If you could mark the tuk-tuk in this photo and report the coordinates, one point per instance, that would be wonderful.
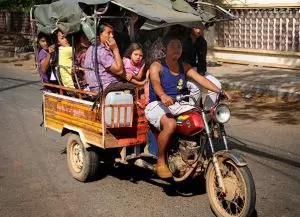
(114, 119)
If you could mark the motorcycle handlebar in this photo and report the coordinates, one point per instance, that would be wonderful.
(182, 97)
(221, 96)
(179, 98)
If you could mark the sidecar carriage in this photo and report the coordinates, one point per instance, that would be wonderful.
(117, 122)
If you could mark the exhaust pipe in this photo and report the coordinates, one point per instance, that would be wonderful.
(143, 164)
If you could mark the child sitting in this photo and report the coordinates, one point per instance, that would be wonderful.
(65, 60)
(80, 53)
(134, 65)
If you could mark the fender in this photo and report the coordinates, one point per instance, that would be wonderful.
(67, 129)
(232, 155)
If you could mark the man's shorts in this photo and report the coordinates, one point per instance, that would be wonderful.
(156, 109)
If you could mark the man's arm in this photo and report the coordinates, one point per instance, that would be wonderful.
(192, 73)
(155, 71)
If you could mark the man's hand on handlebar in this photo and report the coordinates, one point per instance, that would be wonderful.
(227, 95)
(166, 100)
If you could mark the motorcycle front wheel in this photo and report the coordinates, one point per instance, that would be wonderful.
(239, 199)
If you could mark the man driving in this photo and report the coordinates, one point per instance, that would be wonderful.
(168, 78)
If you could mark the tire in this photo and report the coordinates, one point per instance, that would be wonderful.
(241, 196)
(83, 163)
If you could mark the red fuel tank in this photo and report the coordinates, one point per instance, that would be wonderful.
(189, 123)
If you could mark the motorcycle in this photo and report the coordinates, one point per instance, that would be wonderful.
(229, 183)
(97, 123)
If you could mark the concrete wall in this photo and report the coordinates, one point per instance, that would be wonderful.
(3, 26)
(283, 59)
(18, 22)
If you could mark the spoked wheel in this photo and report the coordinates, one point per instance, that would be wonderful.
(239, 199)
(83, 163)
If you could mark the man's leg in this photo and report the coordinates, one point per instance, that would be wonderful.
(168, 126)
(157, 114)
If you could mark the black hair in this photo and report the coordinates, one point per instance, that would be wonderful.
(68, 37)
(168, 38)
(132, 47)
(39, 37)
(42, 35)
(102, 26)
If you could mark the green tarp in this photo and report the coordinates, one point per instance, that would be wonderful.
(68, 16)
(58, 15)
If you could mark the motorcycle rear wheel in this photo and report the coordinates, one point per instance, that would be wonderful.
(240, 196)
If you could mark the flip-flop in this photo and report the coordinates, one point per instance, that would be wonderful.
(163, 171)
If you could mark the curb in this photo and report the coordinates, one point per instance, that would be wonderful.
(271, 90)
(283, 156)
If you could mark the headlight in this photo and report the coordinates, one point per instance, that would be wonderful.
(221, 113)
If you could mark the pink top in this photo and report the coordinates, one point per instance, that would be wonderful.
(131, 68)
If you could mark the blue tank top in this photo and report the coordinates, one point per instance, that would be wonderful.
(171, 84)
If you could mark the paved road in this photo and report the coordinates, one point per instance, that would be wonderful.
(34, 178)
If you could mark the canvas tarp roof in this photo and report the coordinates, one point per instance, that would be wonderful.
(58, 15)
(67, 14)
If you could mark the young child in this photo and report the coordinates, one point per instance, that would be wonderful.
(44, 57)
(80, 53)
(134, 65)
(65, 60)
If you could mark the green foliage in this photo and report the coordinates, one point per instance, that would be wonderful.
(20, 5)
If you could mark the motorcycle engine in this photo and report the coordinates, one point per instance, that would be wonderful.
(183, 157)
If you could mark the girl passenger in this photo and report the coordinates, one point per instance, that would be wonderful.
(44, 58)
(65, 60)
(134, 64)
(80, 52)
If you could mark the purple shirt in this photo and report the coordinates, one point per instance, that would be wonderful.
(44, 75)
(105, 60)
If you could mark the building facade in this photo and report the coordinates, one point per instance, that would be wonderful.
(264, 33)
